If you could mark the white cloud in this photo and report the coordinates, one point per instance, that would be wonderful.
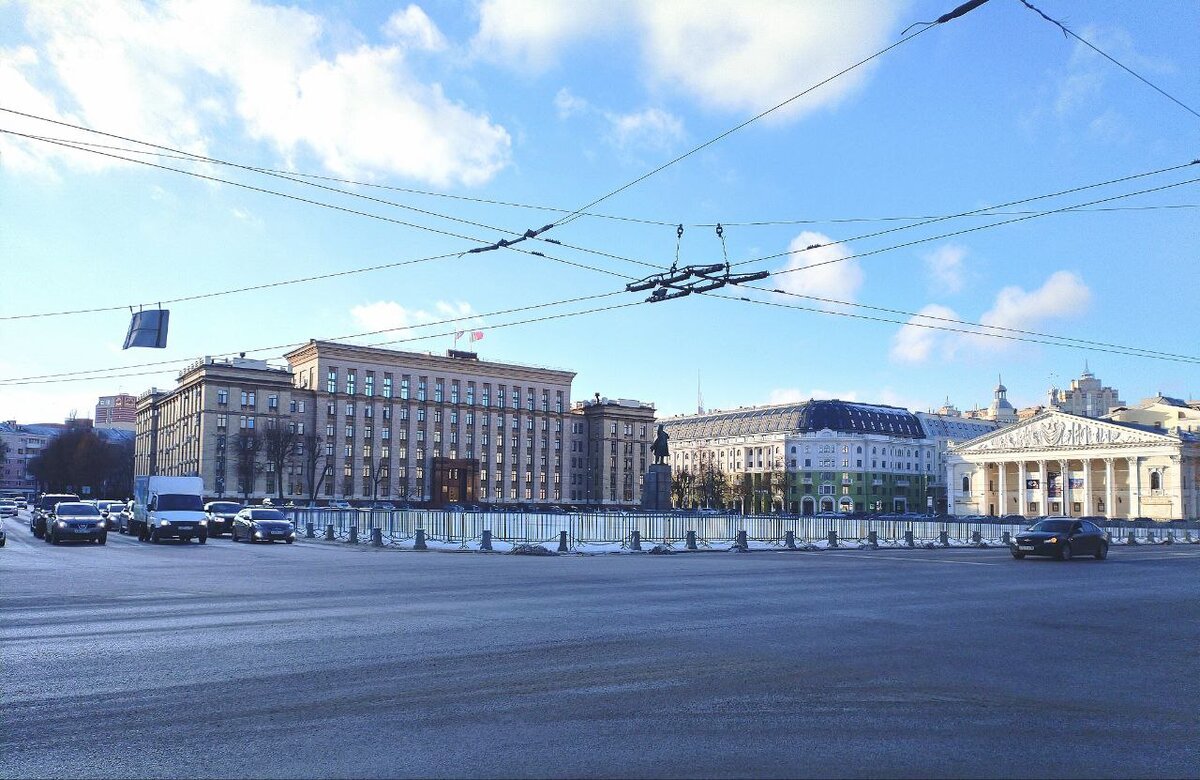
(173, 73)
(413, 27)
(652, 128)
(1064, 295)
(945, 267)
(732, 55)
(821, 271)
(916, 344)
(390, 315)
(567, 104)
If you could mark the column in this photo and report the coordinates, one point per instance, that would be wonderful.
(1043, 489)
(950, 489)
(1001, 502)
(1179, 509)
(1110, 509)
(1087, 486)
(1135, 488)
(1064, 486)
(1022, 494)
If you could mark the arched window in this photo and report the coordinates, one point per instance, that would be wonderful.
(966, 483)
(1155, 480)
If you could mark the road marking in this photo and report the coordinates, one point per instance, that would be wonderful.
(906, 557)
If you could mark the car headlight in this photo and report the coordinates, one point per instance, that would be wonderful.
(164, 523)
(61, 523)
(203, 522)
(1052, 540)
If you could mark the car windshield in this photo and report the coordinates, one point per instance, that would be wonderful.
(267, 514)
(176, 501)
(48, 502)
(77, 510)
(225, 507)
(1052, 526)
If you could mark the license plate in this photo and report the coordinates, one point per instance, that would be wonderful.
(83, 530)
(1025, 547)
(184, 527)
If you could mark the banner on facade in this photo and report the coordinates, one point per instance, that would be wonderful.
(1033, 484)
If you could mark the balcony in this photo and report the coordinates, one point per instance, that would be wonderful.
(902, 483)
(877, 482)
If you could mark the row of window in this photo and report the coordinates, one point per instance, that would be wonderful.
(501, 397)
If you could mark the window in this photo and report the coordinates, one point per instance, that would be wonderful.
(221, 421)
(292, 406)
(331, 381)
(351, 380)
(369, 384)
(272, 402)
(470, 394)
(421, 387)
(387, 385)
(454, 393)
(350, 410)
(329, 429)
(222, 397)
(483, 399)
(438, 389)
(404, 389)
(368, 411)
(1155, 480)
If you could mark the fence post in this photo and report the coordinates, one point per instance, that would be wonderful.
(873, 540)
(789, 539)
(635, 540)
(486, 543)
(562, 542)
(1006, 537)
(691, 540)
(419, 543)
(908, 539)
(1131, 539)
(944, 538)
(1170, 537)
(310, 530)
(976, 537)
(741, 540)
(329, 532)
(353, 534)
(377, 537)
(833, 539)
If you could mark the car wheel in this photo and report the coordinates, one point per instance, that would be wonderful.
(154, 536)
(1018, 555)
(2, 541)
(201, 539)
(290, 541)
(51, 537)
(1102, 551)
(102, 539)
(1065, 553)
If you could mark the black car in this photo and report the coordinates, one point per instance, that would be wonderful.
(43, 508)
(75, 521)
(262, 525)
(1062, 538)
(220, 516)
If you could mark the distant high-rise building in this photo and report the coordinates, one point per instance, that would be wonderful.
(610, 441)
(1087, 396)
(116, 411)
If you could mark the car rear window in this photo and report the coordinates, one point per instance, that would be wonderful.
(78, 510)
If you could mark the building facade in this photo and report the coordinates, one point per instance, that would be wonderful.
(833, 456)
(116, 411)
(609, 451)
(383, 415)
(23, 443)
(218, 408)
(1065, 464)
(1087, 396)
(945, 428)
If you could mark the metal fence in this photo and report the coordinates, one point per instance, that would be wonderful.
(464, 529)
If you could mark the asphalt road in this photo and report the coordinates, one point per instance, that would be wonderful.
(320, 660)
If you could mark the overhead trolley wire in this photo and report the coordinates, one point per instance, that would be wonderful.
(1068, 31)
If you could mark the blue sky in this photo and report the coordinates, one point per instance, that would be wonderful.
(554, 104)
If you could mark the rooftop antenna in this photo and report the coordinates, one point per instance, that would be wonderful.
(699, 395)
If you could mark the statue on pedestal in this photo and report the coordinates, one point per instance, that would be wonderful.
(659, 448)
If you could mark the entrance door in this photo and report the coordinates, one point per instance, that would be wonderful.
(808, 507)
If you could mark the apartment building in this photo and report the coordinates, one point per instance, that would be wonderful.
(610, 447)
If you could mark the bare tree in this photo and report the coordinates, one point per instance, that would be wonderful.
(681, 487)
(382, 471)
(280, 448)
(247, 448)
(315, 464)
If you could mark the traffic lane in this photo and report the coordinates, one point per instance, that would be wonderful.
(728, 633)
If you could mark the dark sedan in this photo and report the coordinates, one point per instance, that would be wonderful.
(220, 516)
(75, 522)
(262, 525)
(1062, 538)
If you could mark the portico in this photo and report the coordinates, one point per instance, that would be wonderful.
(1061, 464)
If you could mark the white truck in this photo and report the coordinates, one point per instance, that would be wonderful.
(168, 508)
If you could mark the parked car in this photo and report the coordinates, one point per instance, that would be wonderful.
(262, 525)
(75, 521)
(22, 503)
(3, 534)
(109, 511)
(340, 505)
(386, 506)
(220, 516)
(1062, 538)
(8, 508)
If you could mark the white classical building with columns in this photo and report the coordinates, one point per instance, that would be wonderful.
(1063, 464)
